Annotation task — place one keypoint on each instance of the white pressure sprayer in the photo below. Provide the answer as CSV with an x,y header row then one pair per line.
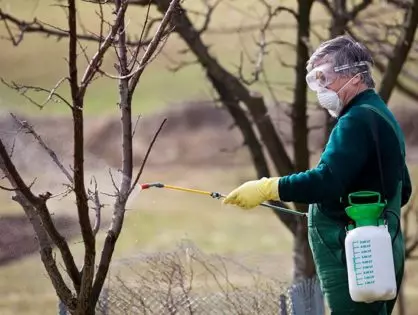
x,y
369,257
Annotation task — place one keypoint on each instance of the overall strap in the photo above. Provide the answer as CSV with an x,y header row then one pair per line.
x,y
375,135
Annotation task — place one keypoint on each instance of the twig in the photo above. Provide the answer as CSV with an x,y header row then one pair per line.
x,y
7,188
39,202
135,126
113,182
152,47
36,26
25,125
94,197
141,169
98,57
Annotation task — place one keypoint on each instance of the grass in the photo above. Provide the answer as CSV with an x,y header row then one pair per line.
x,y
158,220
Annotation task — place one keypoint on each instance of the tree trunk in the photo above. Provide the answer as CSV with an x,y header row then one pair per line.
x,y
401,300
90,311
400,53
302,256
338,24
304,266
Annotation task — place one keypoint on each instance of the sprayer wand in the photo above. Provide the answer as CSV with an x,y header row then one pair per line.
x,y
217,195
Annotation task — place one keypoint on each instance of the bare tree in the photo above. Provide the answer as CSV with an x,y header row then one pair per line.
x,y
87,282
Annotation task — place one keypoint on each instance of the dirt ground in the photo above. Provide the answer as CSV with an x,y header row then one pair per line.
x,y
196,135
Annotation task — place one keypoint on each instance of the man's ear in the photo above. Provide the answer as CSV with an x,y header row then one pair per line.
x,y
357,79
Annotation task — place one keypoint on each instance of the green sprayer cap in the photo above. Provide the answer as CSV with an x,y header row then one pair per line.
x,y
365,208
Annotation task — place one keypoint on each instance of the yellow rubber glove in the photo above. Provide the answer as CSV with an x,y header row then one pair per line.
x,y
252,193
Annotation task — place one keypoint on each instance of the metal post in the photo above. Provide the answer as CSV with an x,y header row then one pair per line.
x,y
104,297
283,305
307,298
62,309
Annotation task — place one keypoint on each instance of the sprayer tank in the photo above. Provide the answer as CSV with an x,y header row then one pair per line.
x,y
370,265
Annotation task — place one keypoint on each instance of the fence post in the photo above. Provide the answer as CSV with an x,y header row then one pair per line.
x,y
283,305
62,309
104,297
307,298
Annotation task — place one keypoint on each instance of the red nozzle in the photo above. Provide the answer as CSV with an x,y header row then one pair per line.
x,y
145,186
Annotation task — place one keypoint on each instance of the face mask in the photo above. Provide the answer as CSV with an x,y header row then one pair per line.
x,y
330,100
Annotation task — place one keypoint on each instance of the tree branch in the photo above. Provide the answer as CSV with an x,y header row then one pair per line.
x,y
39,203
98,57
141,169
42,28
381,67
126,93
98,206
26,126
152,47
79,187
23,89
400,53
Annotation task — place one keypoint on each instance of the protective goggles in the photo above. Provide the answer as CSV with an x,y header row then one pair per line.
x,y
324,75
320,77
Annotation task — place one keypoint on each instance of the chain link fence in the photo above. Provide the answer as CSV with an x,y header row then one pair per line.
x,y
186,281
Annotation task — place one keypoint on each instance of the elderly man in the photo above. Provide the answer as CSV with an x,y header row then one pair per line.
x,y
353,160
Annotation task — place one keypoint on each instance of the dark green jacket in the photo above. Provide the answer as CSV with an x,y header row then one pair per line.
x,y
349,161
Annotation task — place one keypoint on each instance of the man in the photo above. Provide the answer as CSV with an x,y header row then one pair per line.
x,y
365,151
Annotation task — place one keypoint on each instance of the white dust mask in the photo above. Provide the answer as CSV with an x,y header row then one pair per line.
x,y
330,100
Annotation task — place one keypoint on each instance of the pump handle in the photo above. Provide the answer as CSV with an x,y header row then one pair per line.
x,y
366,195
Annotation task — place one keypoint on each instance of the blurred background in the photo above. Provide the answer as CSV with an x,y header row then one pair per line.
x,y
203,145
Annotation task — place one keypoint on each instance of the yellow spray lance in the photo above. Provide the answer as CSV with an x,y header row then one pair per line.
x,y
216,195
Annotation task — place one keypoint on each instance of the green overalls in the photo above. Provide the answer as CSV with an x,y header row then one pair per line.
x,y
349,164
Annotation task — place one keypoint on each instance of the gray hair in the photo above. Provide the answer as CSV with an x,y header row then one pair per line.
x,y
347,56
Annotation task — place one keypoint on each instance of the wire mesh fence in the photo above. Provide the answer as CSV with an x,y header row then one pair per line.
x,y
187,281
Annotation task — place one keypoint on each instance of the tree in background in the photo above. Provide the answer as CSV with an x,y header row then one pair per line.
x,y
81,296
